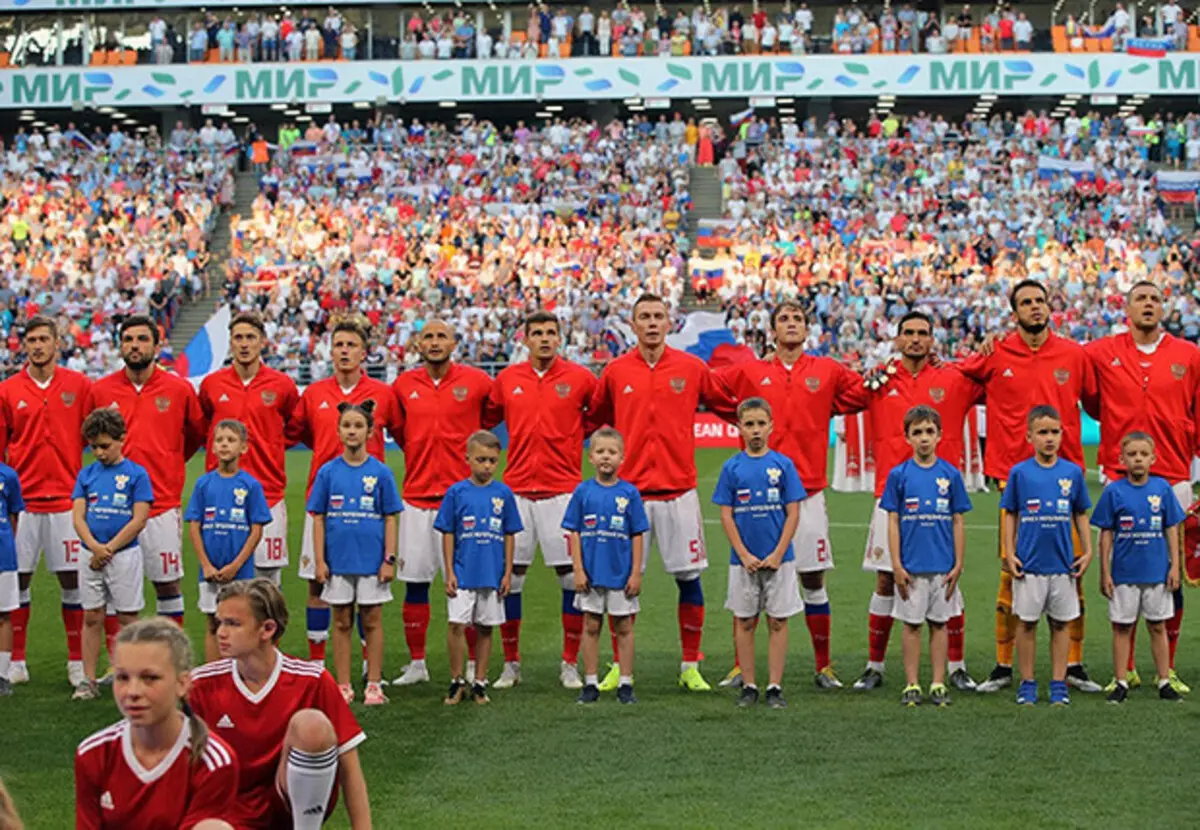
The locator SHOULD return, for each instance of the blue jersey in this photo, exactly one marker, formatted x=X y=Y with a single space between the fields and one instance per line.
x=759 y=490
x=111 y=493
x=1139 y=517
x=355 y=502
x=606 y=517
x=927 y=499
x=226 y=508
x=1045 y=499
x=479 y=518
x=10 y=503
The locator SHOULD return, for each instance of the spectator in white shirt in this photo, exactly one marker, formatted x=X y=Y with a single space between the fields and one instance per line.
x=1023 y=32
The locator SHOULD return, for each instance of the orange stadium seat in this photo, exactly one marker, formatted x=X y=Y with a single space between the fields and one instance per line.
x=1058 y=35
x=1193 y=44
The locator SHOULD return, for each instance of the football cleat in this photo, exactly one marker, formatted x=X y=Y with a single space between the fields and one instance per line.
x=693 y=681
x=458 y=691
x=414 y=673
x=625 y=694
x=911 y=696
x=374 y=696
x=1059 y=696
x=938 y=695
x=775 y=698
x=733 y=680
x=87 y=690
x=962 y=681
x=1077 y=677
x=74 y=673
x=1027 y=693
x=1134 y=679
x=1000 y=678
x=510 y=677
x=1167 y=692
x=827 y=678
x=1177 y=684
x=1118 y=693
x=748 y=697
x=569 y=677
x=589 y=694
x=106 y=679
x=612 y=680
x=347 y=692
x=871 y=679
x=479 y=694
x=18 y=673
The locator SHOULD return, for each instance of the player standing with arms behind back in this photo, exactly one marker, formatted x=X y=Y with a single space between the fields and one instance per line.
x=263 y=399
x=650 y=395
x=42 y=409
x=165 y=426
x=543 y=404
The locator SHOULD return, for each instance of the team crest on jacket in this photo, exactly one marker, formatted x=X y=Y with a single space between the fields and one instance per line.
x=162 y=403
x=239 y=495
x=813 y=384
x=268 y=397
x=1178 y=370
x=1062 y=376
x=937 y=394
x=943 y=485
x=1064 y=486
x=121 y=481
x=368 y=483
x=678 y=384
x=459 y=392
x=563 y=389
x=622 y=503
x=68 y=398
x=1155 y=503
x=497 y=506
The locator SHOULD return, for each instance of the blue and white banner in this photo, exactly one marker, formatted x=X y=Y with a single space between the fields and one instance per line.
x=205 y=353
x=1050 y=167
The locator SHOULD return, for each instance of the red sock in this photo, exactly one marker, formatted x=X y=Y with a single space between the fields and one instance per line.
x=72 y=617
x=510 y=638
x=572 y=633
x=818 y=632
x=472 y=634
x=879 y=629
x=1132 y=642
x=691 y=627
x=955 y=628
x=1173 y=626
x=316 y=650
x=20 y=629
x=112 y=627
x=416 y=628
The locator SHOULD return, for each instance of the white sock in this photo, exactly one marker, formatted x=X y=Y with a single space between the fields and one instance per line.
x=881 y=606
x=957 y=665
x=591 y=680
x=626 y=680
x=310 y=780
x=5 y=663
x=166 y=606
x=417 y=664
x=684 y=666
x=871 y=664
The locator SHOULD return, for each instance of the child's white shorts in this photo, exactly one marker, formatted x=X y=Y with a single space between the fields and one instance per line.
x=481 y=606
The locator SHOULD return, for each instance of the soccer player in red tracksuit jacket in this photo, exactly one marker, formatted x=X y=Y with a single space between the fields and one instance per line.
x=165 y=427
x=1031 y=367
x=263 y=399
x=41 y=411
x=914 y=382
x=1150 y=382
x=440 y=404
x=805 y=392
x=315 y=424
x=543 y=402
x=650 y=394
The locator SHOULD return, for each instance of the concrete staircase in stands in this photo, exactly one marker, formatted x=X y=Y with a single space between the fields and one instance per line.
x=707 y=203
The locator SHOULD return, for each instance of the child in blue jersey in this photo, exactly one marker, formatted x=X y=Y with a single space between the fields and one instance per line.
x=759 y=493
x=11 y=504
x=1138 y=517
x=356 y=507
x=1045 y=499
x=478 y=519
x=925 y=500
x=112 y=499
x=606 y=525
x=226 y=516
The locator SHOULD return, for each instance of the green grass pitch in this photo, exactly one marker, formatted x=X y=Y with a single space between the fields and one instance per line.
x=676 y=760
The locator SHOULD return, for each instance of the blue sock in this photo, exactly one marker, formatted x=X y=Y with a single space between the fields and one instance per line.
x=317 y=620
x=416 y=593
x=691 y=592
x=512 y=607
x=362 y=637
x=568 y=603
x=1178 y=595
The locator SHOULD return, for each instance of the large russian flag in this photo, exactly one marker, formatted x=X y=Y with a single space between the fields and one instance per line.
x=1150 y=47
x=1177 y=186
x=1051 y=167
x=206 y=352
x=705 y=335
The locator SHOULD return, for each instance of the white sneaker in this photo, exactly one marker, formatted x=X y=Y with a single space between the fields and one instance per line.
x=510 y=677
x=74 y=672
x=470 y=678
x=569 y=677
x=414 y=673
x=19 y=673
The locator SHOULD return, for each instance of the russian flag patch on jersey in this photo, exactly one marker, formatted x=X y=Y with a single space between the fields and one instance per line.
x=210 y=513
x=743 y=496
x=1033 y=505
x=93 y=498
x=1126 y=523
x=468 y=522
x=590 y=521
x=912 y=505
x=336 y=502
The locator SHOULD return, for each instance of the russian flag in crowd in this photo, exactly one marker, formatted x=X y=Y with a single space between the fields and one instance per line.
x=1177 y=186
x=1100 y=34
x=206 y=351
x=80 y=142
x=1150 y=47
x=705 y=335
x=714 y=233
x=304 y=148
x=1049 y=167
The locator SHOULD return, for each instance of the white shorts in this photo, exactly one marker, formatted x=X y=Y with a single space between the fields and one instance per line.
x=678 y=526
x=1054 y=595
x=543 y=526
x=308 y=559
x=482 y=607
x=161 y=541
x=811 y=542
x=927 y=601
x=1183 y=492
x=10 y=591
x=272 y=550
x=775 y=592
x=1154 y=602
x=878 y=555
x=359 y=590
x=206 y=598
x=50 y=533
x=420 y=545
x=611 y=601
x=119 y=583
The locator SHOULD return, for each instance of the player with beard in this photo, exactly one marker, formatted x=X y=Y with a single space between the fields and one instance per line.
x=41 y=411
x=543 y=402
x=165 y=427
x=1031 y=367
x=1150 y=382
x=441 y=404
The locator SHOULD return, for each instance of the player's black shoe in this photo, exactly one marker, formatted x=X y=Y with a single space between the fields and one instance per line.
x=1077 y=677
x=589 y=694
x=625 y=694
x=748 y=697
x=1119 y=693
x=1000 y=678
x=871 y=679
x=458 y=691
x=479 y=694
x=1167 y=692
x=775 y=698
x=962 y=681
